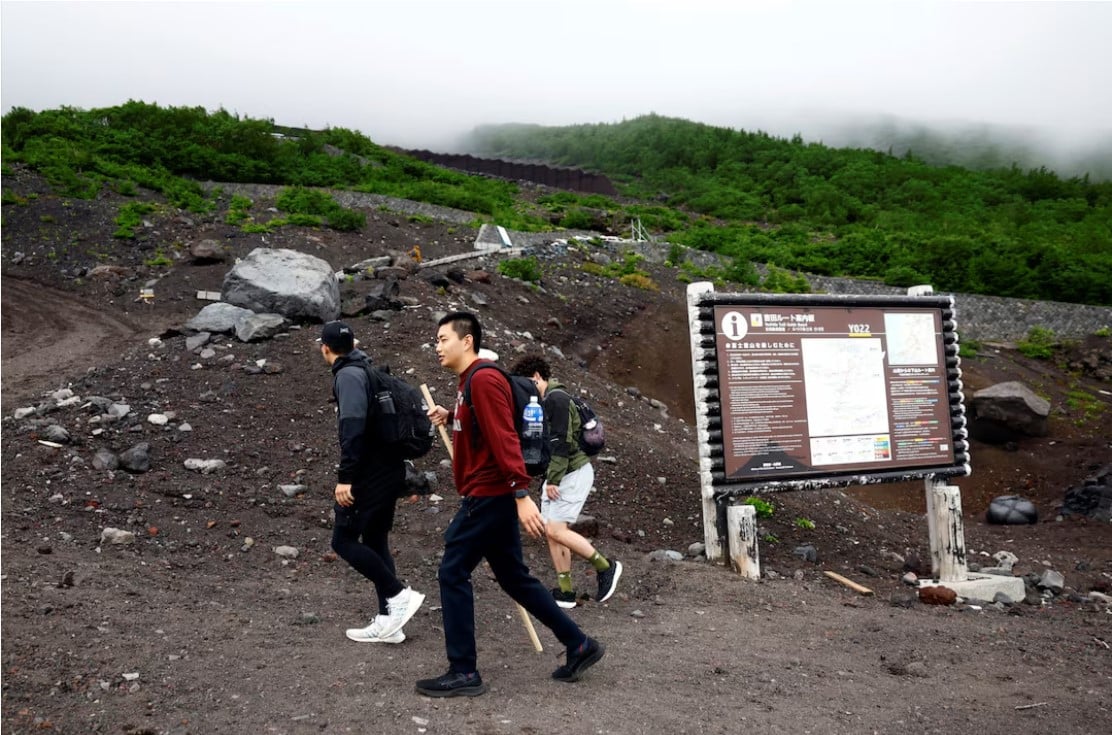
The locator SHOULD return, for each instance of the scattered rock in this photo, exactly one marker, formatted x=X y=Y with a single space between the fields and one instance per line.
x=205 y=466
x=1011 y=510
x=116 y=536
x=295 y=285
x=137 y=459
x=937 y=595
x=105 y=460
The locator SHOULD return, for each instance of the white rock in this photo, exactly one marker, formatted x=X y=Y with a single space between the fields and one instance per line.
x=291 y=491
x=204 y=466
x=286 y=552
x=157 y=419
x=116 y=536
x=22 y=413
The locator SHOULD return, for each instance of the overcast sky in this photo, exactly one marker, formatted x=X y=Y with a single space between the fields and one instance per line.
x=416 y=72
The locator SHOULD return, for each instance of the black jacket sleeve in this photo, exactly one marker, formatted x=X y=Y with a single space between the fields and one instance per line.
x=352 y=409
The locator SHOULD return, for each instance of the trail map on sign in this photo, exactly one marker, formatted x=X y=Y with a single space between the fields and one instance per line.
x=811 y=390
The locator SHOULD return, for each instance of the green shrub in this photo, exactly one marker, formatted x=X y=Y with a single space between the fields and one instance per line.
x=346 y=220
x=764 y=508
x=903 y=276
x=779 y=280
x=129 y=217
x=968 y=348
x=639 y=280
x=299 y=200
x=1039 y=343
x=676 y=253
x=523 y=269
x=577 y=219
x=159 y=260
x=303 y=220
x=805 y=523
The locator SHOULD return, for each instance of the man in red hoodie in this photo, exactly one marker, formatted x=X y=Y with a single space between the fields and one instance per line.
x=490 y=476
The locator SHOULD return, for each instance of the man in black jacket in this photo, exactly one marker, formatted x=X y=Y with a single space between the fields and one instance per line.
x=368 y=484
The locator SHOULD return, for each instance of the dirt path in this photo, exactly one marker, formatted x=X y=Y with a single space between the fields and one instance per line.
x=48 y=336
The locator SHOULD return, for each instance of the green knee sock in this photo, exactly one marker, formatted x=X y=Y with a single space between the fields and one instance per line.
x=563 y=579
x=598 y=561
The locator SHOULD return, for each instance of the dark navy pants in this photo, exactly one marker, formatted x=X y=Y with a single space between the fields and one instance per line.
x=487 y=528
x=360 y=537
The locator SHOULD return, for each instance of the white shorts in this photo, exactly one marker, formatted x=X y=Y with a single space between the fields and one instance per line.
x=574 y=489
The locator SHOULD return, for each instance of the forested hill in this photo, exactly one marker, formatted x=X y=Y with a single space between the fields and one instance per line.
x=807 y=206
x=749 y=196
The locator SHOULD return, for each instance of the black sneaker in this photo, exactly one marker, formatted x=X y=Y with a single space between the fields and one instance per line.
x=587 y=655
x=608 y=580
x=452 y=684
x=565 y=600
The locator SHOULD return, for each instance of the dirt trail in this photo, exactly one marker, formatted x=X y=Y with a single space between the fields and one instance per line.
x=48 y=336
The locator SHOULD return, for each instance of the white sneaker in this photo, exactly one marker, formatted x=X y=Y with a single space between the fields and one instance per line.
x=401 y=608
x=373 y=633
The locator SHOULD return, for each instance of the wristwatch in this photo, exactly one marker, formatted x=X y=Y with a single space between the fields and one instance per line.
x=522 y=493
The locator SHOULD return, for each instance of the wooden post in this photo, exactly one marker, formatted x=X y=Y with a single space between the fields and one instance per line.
x=949 y=532
x=932 y=529
x=741 y=525
x=711 y=534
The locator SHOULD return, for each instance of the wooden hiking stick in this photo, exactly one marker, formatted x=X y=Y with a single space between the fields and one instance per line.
x=525 y=619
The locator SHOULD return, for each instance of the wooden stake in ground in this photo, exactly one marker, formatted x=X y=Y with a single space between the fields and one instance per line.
x=525 y=619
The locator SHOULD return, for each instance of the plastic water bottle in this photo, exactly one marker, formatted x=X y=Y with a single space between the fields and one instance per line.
x=533 y=438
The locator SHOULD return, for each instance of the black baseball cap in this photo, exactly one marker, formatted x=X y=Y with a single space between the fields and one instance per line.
x=338 y=336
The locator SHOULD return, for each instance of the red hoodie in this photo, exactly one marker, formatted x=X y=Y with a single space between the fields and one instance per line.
x=485 y=446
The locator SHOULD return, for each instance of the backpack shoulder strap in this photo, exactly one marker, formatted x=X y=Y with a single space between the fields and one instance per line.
x=373 y=381
x=467 y=383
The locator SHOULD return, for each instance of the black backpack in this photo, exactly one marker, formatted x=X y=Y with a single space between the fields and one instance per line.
x=397 y=416
x=592 y=437
x=522 y=388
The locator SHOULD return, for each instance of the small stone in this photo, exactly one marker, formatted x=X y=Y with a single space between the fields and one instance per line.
x=937 y=595
x=116 y=536
x=292 y=491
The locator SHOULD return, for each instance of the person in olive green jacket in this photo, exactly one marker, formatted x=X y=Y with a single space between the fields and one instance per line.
x=568 y=481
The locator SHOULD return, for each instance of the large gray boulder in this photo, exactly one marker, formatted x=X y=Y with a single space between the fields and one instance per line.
x=1007 y=411
x=296 y=285
x=218 y=318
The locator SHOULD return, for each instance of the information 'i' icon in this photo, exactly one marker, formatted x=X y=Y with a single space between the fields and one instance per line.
x=733 y=326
